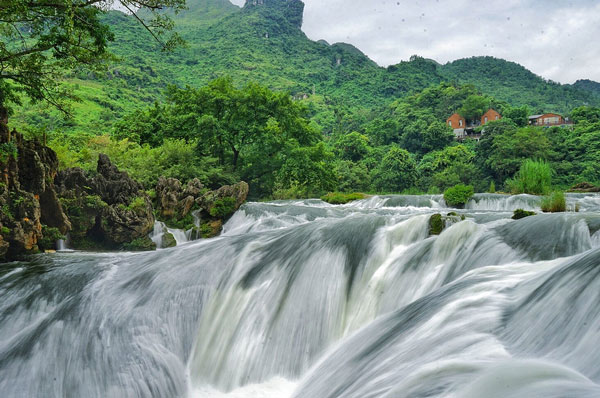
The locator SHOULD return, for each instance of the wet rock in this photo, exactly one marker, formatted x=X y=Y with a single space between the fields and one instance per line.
x=520 y=213
x=436 y=224
x=585 y=187
x=168 y=240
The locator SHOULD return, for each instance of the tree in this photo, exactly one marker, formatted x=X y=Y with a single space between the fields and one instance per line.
x=43 y=39
x=396 y=172
x=474 y=107
x=515 y=146
x=518 y=115
x=353 y=146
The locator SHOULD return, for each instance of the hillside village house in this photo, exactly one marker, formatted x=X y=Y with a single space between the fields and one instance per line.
x=548 y=119
x=462 y=129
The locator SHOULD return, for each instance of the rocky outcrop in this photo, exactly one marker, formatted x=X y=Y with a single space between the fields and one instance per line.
x=176 y=202
x=109 y=210
x=28 y=200
x=584 y=187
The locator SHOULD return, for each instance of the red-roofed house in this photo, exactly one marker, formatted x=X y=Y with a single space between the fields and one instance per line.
x=490 y=116
x=458 y=124
x=547 y=119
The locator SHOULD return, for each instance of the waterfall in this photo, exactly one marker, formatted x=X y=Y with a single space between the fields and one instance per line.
x=306 y=299
x=159 y=231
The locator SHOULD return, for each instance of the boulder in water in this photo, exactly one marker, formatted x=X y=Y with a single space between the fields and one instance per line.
x=436 y=224
x=520 y=213
x=168 y=240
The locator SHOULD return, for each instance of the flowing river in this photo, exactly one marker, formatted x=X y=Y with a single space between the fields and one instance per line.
x=307 y=300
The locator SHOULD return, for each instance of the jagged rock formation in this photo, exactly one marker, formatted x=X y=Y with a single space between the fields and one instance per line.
x=175 y=204
x=109 y=210
x=29 y=204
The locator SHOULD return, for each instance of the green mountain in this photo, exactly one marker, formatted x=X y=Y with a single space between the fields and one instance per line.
x=263 y=42
x=511 y=82
x=588 y=85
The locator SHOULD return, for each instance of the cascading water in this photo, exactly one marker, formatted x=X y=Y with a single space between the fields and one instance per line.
x=305 y=299
x=160 y=229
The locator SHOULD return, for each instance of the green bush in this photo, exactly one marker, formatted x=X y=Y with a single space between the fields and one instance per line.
x=8 y=150
x=492 y=188
x=338 y=198
x=49 y=238
x=222 y=208
x=554 y=203
x=458 y=195
x=534 y=177
x=137 y=205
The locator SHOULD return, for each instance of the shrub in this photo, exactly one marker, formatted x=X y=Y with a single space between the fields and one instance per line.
x=492 y=188
x=534 y=177
x=222 y=208
x=49 y=238
x=137 y=205
x=458 y=195
x=337 y=198
x=520 y=213
x=8 y=150
x=554 y=203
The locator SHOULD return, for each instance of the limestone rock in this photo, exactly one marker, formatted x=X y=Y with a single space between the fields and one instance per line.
x=110 y=210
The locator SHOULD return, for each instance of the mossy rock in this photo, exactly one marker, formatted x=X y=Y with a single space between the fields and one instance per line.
x=211 y=229
x=168 y=240
x=520 y=213
x=436 y=224
x=140 y=244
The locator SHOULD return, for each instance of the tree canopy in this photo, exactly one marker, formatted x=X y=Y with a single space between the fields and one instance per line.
x=42 y=40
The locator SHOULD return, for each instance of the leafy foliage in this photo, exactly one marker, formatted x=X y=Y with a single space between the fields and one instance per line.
x=554 y=203
x=458 y=195
x=534 y=177
x=41 y=40
x=338 y=198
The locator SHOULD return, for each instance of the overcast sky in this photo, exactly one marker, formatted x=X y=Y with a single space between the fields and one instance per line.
x=557 y=39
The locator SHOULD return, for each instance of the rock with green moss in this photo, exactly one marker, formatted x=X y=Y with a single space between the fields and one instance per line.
x=436 y=224
x=27 y=195
x=109 y=209
x=168 y=240
x=140 y=244
x=520 y=213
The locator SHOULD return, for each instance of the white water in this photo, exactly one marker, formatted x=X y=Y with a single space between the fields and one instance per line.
x=160 y=229
x=305 y=299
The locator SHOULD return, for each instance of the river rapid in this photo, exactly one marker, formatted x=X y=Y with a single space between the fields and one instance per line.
x=302 y=299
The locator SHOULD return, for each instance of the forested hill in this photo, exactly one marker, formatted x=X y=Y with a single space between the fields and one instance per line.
x=263 y=42
x=588 y=85
x=515 y=84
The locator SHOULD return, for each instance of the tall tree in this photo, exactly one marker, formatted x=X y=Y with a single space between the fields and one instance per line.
x=41 y=40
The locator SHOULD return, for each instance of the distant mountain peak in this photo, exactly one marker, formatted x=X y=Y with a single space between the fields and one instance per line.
x=293 y=10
